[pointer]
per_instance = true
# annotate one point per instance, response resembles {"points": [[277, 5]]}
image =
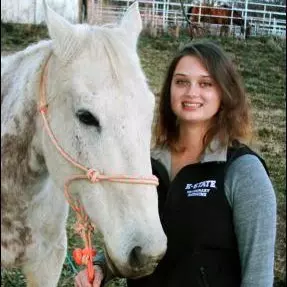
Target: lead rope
{"points": [[83, 225]]}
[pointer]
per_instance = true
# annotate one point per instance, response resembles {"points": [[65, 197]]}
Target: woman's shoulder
{"points": [[248, 162], [241, 156], [245, 176]]}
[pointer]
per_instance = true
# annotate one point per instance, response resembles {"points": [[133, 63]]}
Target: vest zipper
{"points": [[203, 277]]}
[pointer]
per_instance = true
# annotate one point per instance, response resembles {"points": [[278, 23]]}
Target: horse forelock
{"points": [[121, 57]]}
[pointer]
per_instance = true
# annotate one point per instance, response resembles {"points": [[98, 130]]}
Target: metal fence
{"points": [[263, 19]]}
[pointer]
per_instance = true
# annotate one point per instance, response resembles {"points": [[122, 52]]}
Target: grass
{"points": [[261, 61]]}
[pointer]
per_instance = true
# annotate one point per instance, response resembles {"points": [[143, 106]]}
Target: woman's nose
{"points": [[192, 90]]}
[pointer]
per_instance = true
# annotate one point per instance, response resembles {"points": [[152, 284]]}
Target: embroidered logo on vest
{"points": [[201, 188]]}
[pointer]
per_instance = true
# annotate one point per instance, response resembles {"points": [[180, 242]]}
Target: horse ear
{"points": [[61, 32], [132, 22]]}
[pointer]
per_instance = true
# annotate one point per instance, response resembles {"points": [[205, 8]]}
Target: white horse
{"points": [[100, 110]]}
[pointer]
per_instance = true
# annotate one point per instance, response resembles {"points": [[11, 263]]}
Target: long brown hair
{"points": [[232, 122]]}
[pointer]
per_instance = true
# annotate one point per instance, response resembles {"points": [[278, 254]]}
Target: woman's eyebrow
{"points": [[206, 76], [186, 75], [180, 74]]}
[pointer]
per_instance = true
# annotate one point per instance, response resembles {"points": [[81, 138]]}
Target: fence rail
{"points": [[262, 18]]}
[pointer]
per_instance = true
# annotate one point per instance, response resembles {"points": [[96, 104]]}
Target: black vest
{"points": [[197, 219]]}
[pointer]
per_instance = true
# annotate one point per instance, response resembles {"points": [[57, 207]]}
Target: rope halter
{"points": [[84, 225]]}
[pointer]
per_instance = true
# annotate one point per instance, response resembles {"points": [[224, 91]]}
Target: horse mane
{"points": [[8, 63], [119, 53]]}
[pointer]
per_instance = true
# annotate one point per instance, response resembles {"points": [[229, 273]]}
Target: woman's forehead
{"points": [[190, 65]]}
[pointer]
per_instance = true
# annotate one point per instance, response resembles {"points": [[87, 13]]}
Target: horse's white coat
{"points": [[96, 69]]}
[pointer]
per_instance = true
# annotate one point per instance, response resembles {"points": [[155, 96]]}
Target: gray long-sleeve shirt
{"points": [[251, 196]]}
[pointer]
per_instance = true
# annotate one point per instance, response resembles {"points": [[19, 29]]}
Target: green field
{"points": [[261, 62]]}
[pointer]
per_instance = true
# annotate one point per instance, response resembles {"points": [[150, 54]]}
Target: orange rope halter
{"points": [[84, 226]]}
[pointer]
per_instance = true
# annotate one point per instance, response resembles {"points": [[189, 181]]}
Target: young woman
{"points": [[216, 201]]}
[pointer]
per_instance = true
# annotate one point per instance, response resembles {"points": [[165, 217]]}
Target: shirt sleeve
{"points": [[252, 199]]}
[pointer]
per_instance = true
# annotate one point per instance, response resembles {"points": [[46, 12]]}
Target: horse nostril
{"points": [[136, 258]]}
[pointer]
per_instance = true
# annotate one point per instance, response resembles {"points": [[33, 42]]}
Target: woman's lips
{"points": [[191, 106]]}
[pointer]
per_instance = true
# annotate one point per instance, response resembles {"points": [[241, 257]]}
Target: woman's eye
{"points": [[205, 84], [87, 118], [183, 83]]}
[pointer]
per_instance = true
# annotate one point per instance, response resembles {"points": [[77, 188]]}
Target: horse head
{"points": [[101, 111]]}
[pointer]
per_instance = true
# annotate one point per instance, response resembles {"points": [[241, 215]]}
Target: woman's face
{"points": [[195, 97]]}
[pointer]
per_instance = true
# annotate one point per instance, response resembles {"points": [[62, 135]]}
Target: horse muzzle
{"points": [[138, 264]]}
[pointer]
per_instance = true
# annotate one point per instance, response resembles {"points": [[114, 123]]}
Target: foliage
{"points": [[20, 36], [261, 61]]}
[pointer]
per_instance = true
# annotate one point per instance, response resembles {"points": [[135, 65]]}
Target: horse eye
{"points": [[87, 118]]}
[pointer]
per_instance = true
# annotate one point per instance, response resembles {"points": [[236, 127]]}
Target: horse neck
{"points": [[21, 156]]}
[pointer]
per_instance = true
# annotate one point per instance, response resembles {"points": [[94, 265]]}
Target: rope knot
{"points": [[82, 256], [44, 109], [93, 175]]}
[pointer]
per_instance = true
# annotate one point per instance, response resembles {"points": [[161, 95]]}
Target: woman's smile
{"points": [[191, 106]]}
